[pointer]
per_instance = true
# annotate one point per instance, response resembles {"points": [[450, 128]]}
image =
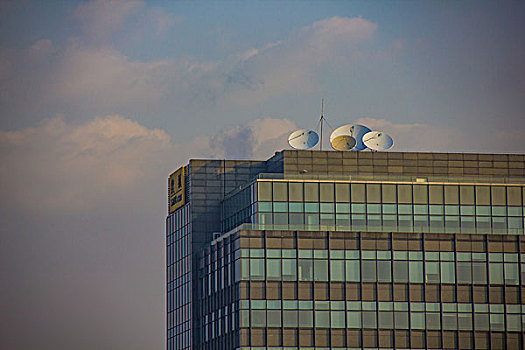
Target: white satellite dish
{"points": [[343, 143], [303, 139], [355, 130], [378, 140]]}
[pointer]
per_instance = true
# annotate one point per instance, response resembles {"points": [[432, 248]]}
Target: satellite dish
{"points": [[343, 143], [354, 130], [378, 140], [303, 139]]}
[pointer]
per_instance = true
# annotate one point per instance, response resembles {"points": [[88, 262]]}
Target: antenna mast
{"points": [[322, 120]]}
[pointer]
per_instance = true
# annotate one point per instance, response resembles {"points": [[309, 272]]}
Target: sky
{"points": [[101, 100]]}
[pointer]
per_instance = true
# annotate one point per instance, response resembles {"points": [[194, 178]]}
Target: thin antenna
{"points": [[321, 121]]}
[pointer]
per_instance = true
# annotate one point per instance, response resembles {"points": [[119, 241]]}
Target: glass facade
{"points": [[349, 250], [178, 276]]}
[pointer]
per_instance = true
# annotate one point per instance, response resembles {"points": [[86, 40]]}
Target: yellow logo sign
{"points": [[176, 189]]}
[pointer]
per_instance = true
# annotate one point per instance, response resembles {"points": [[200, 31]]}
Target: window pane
{"points": [[416, 272], [342, 193], [420, 194], [273, 266], [479, 273], [401, 271], [353, 319], [289, 270], [447, 272], [482, 195], [321, 270], [373, 193], [322, 319], [511, 274], [401, 319], [386, 319], [337, 319], [451, 194], [257, 269], [389, 193], [274, 318], [290, 318], [264, 191], [404, 193], [305, 270], [464, 272], [306, 318], [496, 273], [353, 271], [384, 271], [432, 272], [296, 191], [280, 191], [258, 318], [358, 193], [311, 192], [466, 194], [337, 270], [327, 192], [435, 194], [417, 320], [369, 319], [369, 270]]}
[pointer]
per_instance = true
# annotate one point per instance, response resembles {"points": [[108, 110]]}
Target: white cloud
{"points": [[99, 19], [113, 162], [58, 166]]}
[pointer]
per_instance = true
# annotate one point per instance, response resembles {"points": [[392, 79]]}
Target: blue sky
{"points": [[100, 100]]}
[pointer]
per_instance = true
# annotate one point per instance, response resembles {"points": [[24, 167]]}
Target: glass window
{"points": [[342, 219], [481, 322], [321, 270], [482, 195], [465, 321], [342, 208], [401, 319], [498, 195], [404, 209], [265, 206], [373, 208], [447, 272], [416, 272], [296, 218], [384, 272], [305, 270], [450, 321], [436, 209], [289, 270], [421, 209], [257, 269], [433, 320], [358, 193], [337, 319], [274, 318], [311, 219], [327, 207], [389, 209], [280, 191], [417, 320], [290, 318], [311, 192], [369, 270], [342, 193], [358, 208], [513, 323], [451, 194], [435, 194], [511, 274], [273, 266], [264, 190], [386, 319], [306, 318], [466, 194], [464, 272], [322, 319], [280, 219], [369, 319], [280, 207], [401, 271], [432, 272], [337, 270], [373, 193], [495, 273], [258, 318], [353, 319], [296, 192], [420, 194], [353, 271], [327, 192], [514, 195], [311, 207], [389, 193], [479, 273], [404, 193], [497, 322], [296, 207]]}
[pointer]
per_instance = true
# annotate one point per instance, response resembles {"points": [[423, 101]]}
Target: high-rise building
{"points": [[347, 250]]}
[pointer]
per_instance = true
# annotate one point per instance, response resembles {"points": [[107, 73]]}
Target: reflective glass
{"points": [[305, 270], [273, 266], [320, 270], [369, 270], [322, 319], [337, 270], [384, 272], [337, 319], [416, 271], [353, 271], [296, 207], [289, 270], [353, 319], [401, 271]]}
